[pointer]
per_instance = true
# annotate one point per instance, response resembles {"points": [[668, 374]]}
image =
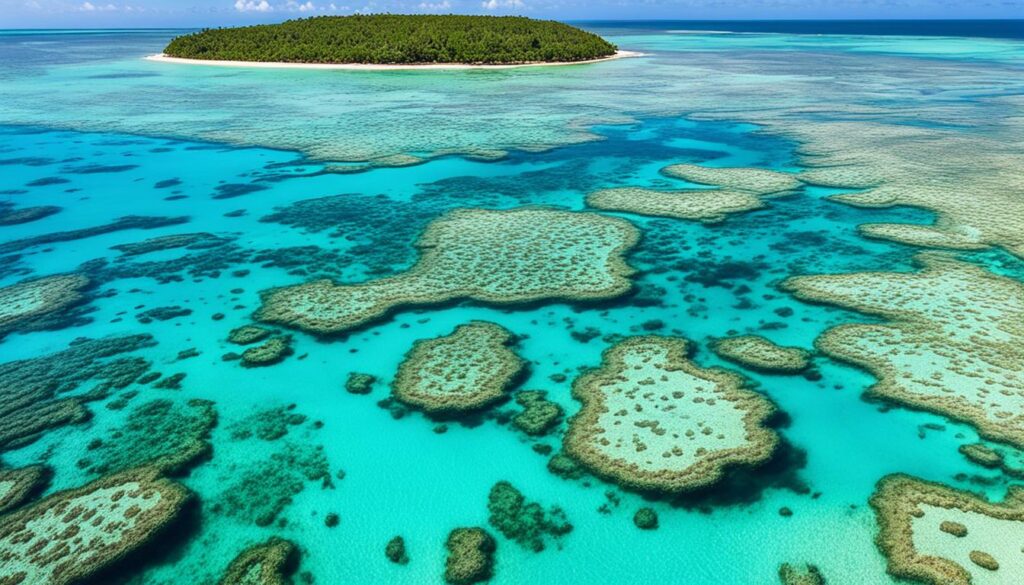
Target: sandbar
{"points": [[380, 66]]}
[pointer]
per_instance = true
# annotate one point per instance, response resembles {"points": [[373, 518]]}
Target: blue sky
{"points": [[172, 13]]}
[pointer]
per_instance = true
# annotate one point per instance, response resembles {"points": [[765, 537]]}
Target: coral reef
{"points": [[761, 354], [395, 551], [497, 257], [955, 528], [359, 383], [800, 575], [896, 164], [704, 205], [467, 370], [762, 182], [259, 492], [741, 189], [1009, 462], [73, 534], [646, 519], [160, 434], [952, 343], [30, 390], [539, 415], [523, 521], [18, 486], [129, 222], [247, 334], [653, 420], [11, 215], [982, 455], [162, 314], [269, 563], [911, 513], [41, 303], [564, 466], [270, 352], [470, 556], [267, 424], [193, 241]]}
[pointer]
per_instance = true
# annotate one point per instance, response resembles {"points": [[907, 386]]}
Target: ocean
{"points": [[900, 142]]}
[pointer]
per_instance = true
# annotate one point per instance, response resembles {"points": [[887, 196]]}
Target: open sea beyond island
{"points": [[692, 306]]}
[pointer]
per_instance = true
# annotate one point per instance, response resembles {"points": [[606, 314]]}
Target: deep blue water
{"points": [[1001, 29]]}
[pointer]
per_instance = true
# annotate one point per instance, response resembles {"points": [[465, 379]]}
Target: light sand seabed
{"points": [[378, 67]]}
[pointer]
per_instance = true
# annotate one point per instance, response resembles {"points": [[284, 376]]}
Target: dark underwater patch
{"points": [[99, 169], [167, 183], [47, 181], [231, 190], [124, 223]]}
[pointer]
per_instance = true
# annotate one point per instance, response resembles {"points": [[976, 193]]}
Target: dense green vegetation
{"points": [[397, 39]]}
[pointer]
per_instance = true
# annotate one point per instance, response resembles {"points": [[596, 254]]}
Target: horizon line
{"points": [[921, 19]]}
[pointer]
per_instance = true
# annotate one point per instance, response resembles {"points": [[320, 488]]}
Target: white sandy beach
{"points": [[375, 67]]}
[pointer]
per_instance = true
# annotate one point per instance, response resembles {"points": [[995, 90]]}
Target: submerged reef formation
{"points": [[247, 334], [17, 486], [470, 556], [800, 575], [952, 343], [467, 370], [646, 519], [935, 534], [360, 383], [11, 215], [41, 303], [162, 314], [31, 389], [160, 434], [982, 454], [525, 522], [653, 420], [740, 189], [761, 354], [268, 353], [269, 563], [193, 241], [395, 551], [73, 534], [763, 182], [497, 257], [539, 415], [895, 164], [259, 492], [124, 223], [267, 424], [704, 205], [1009, 462]]}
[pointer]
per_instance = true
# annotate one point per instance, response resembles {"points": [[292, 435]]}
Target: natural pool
{"points": [[241, 184]]}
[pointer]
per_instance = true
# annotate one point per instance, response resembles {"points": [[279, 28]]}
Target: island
{"points": [[394, 41]]}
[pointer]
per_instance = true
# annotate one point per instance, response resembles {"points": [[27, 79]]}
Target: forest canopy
{"points": [[396, 39]]}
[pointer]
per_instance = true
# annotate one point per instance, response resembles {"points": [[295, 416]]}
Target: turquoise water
{"points": [[91, 128]]}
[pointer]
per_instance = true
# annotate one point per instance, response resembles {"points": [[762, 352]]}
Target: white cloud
{"points": [[502, 4], [90, 7], [435, 6], [253, 6]]}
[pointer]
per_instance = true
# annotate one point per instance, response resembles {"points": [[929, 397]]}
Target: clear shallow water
{"points": [[119, 131]]}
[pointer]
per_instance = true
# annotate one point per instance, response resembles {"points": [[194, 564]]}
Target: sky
{"points": [[203, 13]]}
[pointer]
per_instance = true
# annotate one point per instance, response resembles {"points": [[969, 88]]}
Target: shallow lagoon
{"points": [[119, 131]]}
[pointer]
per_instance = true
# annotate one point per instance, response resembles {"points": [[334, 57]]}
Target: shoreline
{"points": [[162, 58]]}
